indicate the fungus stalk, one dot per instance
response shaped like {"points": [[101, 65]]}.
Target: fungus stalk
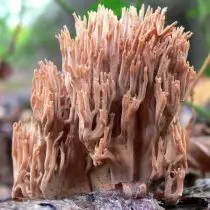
{"points": [[112, 115]]}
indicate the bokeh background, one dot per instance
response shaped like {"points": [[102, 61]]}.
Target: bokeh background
{"points": [[27, 35]]}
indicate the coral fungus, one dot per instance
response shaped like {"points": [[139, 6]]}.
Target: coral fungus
{"points": [[111, 115]]}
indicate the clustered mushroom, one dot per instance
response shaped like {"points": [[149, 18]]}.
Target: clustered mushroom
{"points": [[111, 116]]}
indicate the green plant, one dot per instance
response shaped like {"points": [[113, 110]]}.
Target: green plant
{"points": [[201, 12]]}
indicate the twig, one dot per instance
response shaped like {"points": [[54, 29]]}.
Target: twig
{"points": [[199, 110], [200, 74], [191, 91], [17, 30]]}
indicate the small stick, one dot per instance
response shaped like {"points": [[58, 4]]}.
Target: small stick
{"points": [[200, 73]]}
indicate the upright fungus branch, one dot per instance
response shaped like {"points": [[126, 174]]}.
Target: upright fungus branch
{"points": [[111, 115]]}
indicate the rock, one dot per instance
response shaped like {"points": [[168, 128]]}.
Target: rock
{"points": [[112, 200], [93, 201]]}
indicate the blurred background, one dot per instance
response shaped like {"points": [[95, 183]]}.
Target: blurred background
{"points": [[27, 35]]}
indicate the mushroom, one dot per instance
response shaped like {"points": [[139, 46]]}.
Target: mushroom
{"points": [[112, 115]]}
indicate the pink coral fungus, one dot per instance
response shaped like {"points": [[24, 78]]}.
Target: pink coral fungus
{"points": [[111, 115]]}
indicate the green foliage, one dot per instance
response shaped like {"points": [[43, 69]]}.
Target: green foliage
{"points": [[115, 5], [37, 41], [204, 17], [192, 12], [203, 8], [24, 52], [201, 12], [5, 34], [138, 4]]}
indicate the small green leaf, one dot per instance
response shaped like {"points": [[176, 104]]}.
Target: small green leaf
{"points": [[115, 5]]}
